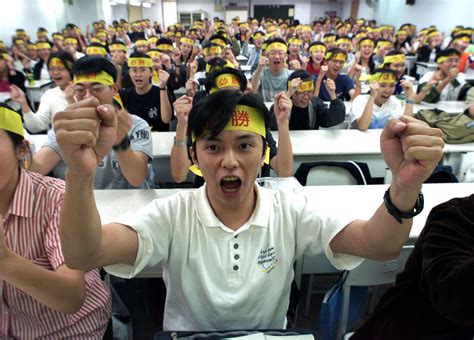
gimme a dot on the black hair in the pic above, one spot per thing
(211, 114)
(16, 139)
(302, 74)
(446, 52)
(371, 60)
(313, 44)
(164, 41)
(209, 84)
(385, 70)
(392, 52)
(66, 58)
(94, 65)
(334, 51)
(272, 40)
(139, 55)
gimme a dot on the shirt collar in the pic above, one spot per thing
(23, 200)
(260, 216)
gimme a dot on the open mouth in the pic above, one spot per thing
(230, 184)
(57, 79)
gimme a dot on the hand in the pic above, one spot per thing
(69, 92)
(374, 89)
(85, 132)
(17, 95)
(124, 124)
(453, 73)
(191, 87)
(295, 64)
(294, 83)
(163, 77)
(182, 107)
(262, 61)
(193, 66)
(407, 88)
(323, 70)
(358, 71)
(330, 86)
(411, 149)
(282, 106)
(357, 57)
(177, 56)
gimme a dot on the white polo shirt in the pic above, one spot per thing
(220, 279)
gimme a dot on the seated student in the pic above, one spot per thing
(430, 48)
(176, 70)
(149, 102)
(256, 52)
(53, 100)
(450, 84)
(125, 166)
(295, 60)
(374, 111)
(316, 51)
(345, 89)
(141, 46)
(42, 297)
(40, 70)
(280, 159)
(96, 49)
(8, 75)
(70, 46)
(460, 43)
(228, 249)
(309, 112)
(118, 52)
(363, 59)
(433, 297)
(270, 80)
(382, 48)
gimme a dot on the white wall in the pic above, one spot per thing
(319, 9)
(119, 12)
(207, 6)
(445, 14)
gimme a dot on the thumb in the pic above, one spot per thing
(107, 114)
(392, 129)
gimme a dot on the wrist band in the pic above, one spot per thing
(409, 101)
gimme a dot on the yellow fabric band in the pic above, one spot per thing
(401, 32)
(117, 47)
(432, 34)
(43, 45)
(101, 34)
(4, 56)
(102, 78)
(141, 43)
(315, 48)
(386, 78)
(55, 62)
(343, 41)
(366, 42)
(11, 121)
(152, 39)
(58, 36)
(42, 34)
(186, 41)
(384, 44)
(31, 46)
(442, 59)
(295, 41)
(211, 49)
(96, 50)
(278, 46)
(330, 39)
(219, 42)
(70, 41)
(338, 56)
(165, 47)
(153, 54)
(226, 80)
(140, 62)
(462, 39)
(304, 86)
(398, 58)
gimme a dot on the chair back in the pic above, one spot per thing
(333, 173)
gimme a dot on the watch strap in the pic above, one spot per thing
(400, 215)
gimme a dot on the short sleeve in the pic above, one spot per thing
(140, 137)
(52, 242)
(52, 143)
(358, 106)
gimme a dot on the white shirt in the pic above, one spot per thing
(52, 101)
(220, 279)
(380, 114)
(79, 55)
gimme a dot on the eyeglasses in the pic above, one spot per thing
(95, 90)
(136, 70)
(305, 93)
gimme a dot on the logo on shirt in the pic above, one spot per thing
(153, 112)
(267, 259)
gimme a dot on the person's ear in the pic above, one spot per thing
(193, 154)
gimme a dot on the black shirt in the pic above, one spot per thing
(146, 106)
(433, 298)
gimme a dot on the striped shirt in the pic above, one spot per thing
(31, 231)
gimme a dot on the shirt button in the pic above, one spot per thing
(236, 236)
(236, 257)
(236, 267)
(236, 246)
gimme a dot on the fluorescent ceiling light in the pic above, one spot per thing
(134, 3)
(146, 5)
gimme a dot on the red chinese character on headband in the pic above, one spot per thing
(222, 82)
(141, 62)
(240, 118)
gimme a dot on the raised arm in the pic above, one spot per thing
(165, 105)
(179, 161)
(282, 163)
(256, 76)
(85, 133)
(363, 121)
(411, 149)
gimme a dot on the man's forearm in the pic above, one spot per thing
(179, 162)
(165, 107)
(285, 151)
(364, 121)
(79, 224)
(133, 166)
(256, 79)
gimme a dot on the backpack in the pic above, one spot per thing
(457, 128)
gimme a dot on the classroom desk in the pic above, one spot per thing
(423, 67)
(4, 97)
(309, 146)
(453, 107)
(36, 90)
(360, 200)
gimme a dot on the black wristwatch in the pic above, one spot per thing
(399, 215)
(124, 144)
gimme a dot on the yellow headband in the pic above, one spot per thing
(397, 58)
(101, 34)
(329, 39)
(58, 36)
(55, 62)
(225, 80)
(432, 34)
(464, 39)
(32, 46)
(315, 48)
(338, 56)
(165, 47)
(211, 49)
(152, 39)
(70, 41)
(141, 43)
(387, 78)
(384, 44)
(96, 50)
(140, 62)
(366, 41)
(186, 41)
(343, 41)
(42, 34)
(219, 42)
(43, 45)
(304, 86)
(295, 41)
(399, 32)
(11, 121)
(444, 58)
(102, 78)
(276, 46)
(153, 54)
(118, 47)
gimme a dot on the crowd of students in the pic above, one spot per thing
(116, 84)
